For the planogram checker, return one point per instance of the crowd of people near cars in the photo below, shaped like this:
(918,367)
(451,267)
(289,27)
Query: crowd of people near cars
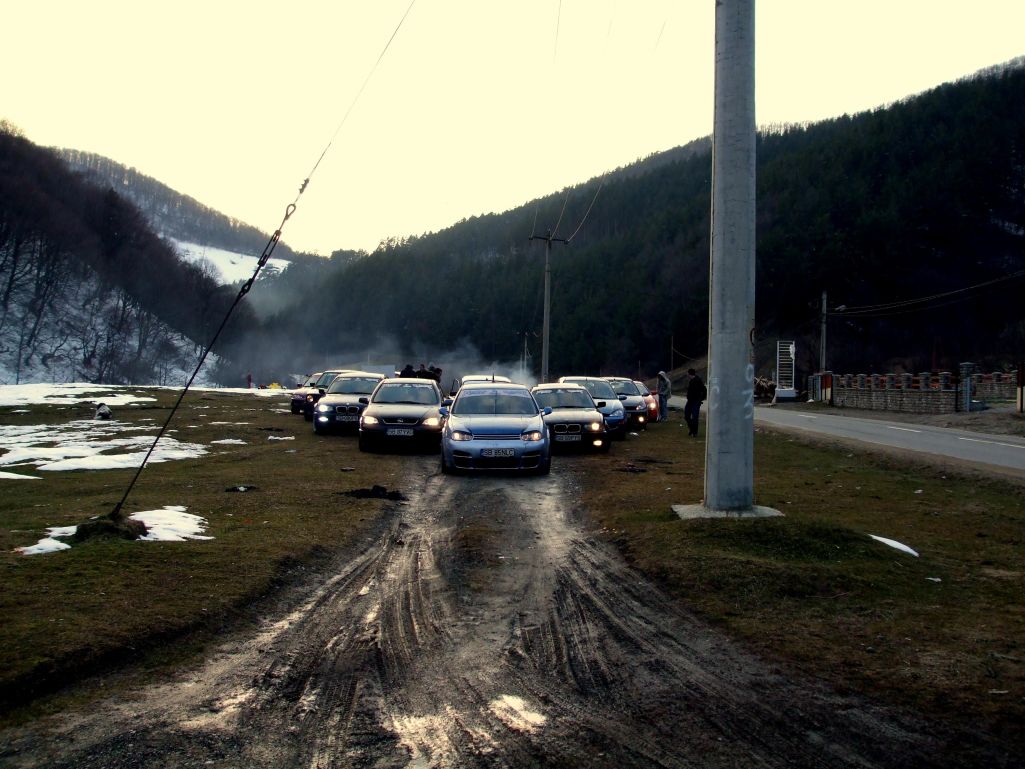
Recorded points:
(485,421)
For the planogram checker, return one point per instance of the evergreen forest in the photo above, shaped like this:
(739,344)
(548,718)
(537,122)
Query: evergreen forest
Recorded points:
(922,198)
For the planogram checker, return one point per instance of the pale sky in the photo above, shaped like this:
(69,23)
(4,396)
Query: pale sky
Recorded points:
(478,106)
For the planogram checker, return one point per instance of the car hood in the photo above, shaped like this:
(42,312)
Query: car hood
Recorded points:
(612,407)
(342,399)
(396,410)
(494,424)
(633,401)
(572,415)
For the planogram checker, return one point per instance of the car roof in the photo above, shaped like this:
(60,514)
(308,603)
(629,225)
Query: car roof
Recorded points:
(617,379)
(559,386)
(408,380)
(489,385)
(362,374)
(575,379)
(485,378)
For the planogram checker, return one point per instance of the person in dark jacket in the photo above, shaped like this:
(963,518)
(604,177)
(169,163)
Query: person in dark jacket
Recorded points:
(407,372)
(696,393)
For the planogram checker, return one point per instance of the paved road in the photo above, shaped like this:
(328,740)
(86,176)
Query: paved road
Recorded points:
(1001,451)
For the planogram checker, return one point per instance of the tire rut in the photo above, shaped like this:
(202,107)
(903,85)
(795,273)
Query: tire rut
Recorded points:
(485,628)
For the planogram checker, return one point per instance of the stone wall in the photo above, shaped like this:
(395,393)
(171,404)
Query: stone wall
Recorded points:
(929,392)
(997,386)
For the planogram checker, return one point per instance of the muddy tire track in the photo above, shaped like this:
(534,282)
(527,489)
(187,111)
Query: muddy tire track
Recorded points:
(486,627)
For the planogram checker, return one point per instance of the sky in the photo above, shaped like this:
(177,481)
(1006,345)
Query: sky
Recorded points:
(476,106)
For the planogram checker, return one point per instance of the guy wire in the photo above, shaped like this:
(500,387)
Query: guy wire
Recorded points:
(264,257)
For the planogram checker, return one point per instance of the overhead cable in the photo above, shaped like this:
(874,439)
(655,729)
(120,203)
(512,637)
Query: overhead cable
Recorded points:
(261,262)
(875,309)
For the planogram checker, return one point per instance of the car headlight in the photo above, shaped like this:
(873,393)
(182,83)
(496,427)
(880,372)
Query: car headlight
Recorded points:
(309,398)
(370,420)
(458,435)
(532,435)
(324,407)
(594,427)
(432,421)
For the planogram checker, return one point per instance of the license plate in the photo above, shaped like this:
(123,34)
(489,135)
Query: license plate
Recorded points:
(498,452)
(567,437)
(347,418)
(402,431)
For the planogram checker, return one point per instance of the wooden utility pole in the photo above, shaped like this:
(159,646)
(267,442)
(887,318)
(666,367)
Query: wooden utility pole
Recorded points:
(548,239)
(822,337)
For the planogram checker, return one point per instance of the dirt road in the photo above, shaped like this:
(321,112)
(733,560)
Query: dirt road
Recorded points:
(485,628)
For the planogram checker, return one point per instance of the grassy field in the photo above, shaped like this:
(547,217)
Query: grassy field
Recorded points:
(111,600)
(943,633)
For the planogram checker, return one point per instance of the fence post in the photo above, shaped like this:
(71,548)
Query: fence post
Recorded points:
(1021,387)
(965,393)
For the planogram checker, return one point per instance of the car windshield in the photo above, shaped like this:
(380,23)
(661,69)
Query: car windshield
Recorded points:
(326,378)
(569,398)
(600,389)
(624,387)
(402,392)
(495,401)
(353,385)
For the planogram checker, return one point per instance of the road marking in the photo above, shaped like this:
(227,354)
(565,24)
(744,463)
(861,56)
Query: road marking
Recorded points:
(902,429)
(995,443)
(806,416)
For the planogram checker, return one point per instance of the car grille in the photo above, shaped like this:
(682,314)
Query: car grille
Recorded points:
(562,428)
(400,420)
(347,409)
(500,437)
(529,461)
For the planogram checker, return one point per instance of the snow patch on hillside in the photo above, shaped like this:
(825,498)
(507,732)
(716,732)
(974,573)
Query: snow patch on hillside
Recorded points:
(228,266)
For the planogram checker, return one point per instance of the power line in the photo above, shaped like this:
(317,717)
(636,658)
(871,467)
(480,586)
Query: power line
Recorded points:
(870,310)
(261,262)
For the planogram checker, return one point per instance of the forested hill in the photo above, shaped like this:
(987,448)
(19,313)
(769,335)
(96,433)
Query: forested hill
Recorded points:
(171,213)
(924,197)
(88,292)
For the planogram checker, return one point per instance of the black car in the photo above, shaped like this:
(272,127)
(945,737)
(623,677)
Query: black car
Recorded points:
(401,412)
(339,408)
(633,401)
(319,388)
(575,422)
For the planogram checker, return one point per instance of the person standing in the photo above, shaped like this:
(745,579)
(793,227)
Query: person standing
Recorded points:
(696,393)
(665,389)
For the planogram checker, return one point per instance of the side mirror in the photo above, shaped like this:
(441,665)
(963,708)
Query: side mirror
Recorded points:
(622,397)
(443,411)
(600,405)
(447,402)
(321,390)
(546,411)
(364,401)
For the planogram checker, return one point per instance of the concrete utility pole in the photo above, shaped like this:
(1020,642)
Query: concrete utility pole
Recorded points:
(729,448)
(548,239)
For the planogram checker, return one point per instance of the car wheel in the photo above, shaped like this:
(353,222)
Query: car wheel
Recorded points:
(295,408)
(446,468)
(606,445)
(307,417)
(364,443)
(546,467)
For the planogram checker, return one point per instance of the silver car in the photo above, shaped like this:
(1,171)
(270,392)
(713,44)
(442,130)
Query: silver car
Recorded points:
(495,426)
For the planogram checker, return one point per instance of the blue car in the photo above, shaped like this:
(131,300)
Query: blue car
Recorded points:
(495,426)
(613,410)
